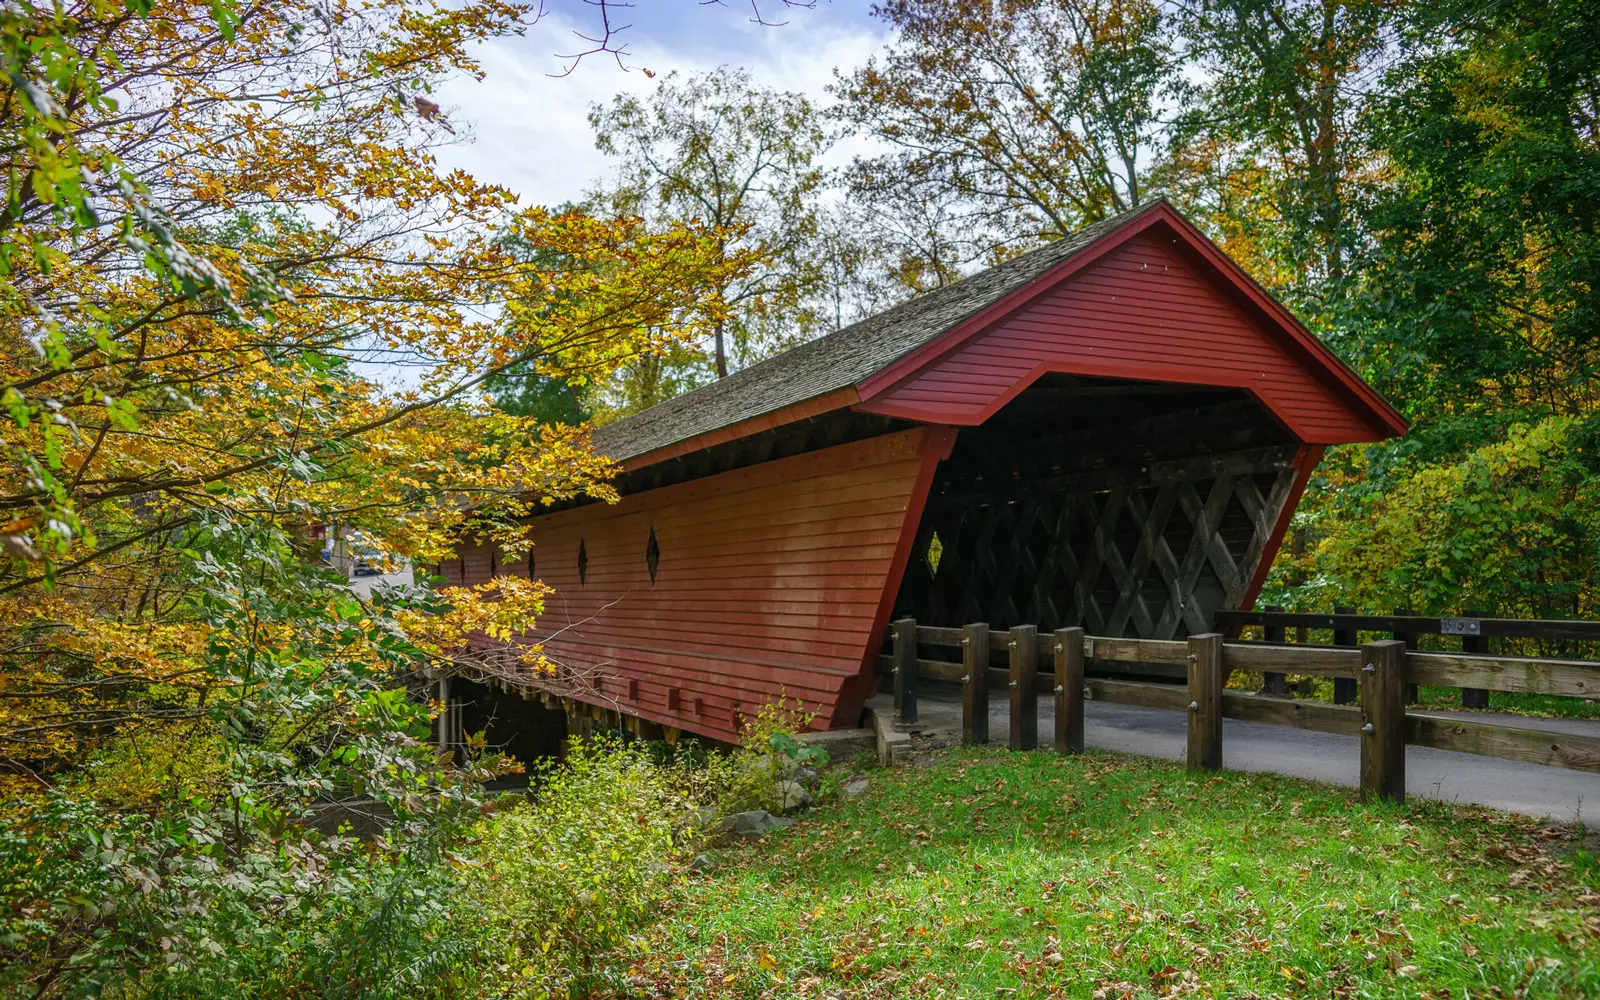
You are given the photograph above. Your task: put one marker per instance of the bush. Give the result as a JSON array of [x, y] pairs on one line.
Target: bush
[[589, 858], [519, 902], [136, 907], [576, 869]]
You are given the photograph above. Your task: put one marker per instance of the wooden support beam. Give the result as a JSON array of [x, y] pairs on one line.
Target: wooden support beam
[[1472, 697], [1206, 679], [1024, 648], [1137, 476], [1410, 639], [1314, 715], [1573, 678], [647, 730], [975, 684], [1383, 711], [1274, 683], [1509, 628], [1141, 693], [1344, 689], [905, 669], [1533, 746], [1141, 650], [1068, 649], [1322, 661], [442, 723]]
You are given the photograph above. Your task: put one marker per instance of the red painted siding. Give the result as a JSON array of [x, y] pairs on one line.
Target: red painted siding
[[1141, 311], [772, 581]]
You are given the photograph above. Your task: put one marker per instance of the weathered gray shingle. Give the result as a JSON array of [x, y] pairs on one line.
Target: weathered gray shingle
[[843, 358]]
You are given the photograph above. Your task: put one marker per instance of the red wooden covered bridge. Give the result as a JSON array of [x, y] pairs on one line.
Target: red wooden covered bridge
[[1109, 431]]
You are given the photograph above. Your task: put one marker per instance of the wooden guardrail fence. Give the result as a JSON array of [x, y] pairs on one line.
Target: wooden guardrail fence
[[1056, 666]]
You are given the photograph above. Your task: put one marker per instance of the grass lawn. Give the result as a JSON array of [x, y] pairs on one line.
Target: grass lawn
[[991, 874], [1515, 703]]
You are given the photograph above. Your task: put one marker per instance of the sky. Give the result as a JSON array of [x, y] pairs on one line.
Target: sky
[[525, 127]]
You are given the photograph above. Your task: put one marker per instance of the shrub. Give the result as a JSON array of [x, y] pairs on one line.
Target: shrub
[[573, 871]]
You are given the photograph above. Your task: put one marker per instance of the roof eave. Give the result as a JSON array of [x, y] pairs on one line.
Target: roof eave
[[804, 410]]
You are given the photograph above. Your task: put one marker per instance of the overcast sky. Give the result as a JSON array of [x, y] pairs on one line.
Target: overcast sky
[[525, 128]]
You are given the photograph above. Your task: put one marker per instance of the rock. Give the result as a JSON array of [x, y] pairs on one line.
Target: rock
[[702, 863], [792, 795], [855, 786], [752, 825], [842, 744], [892, 745]]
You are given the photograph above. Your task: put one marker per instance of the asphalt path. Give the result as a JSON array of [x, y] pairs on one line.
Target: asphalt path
[[363, 585], [1510, 786]]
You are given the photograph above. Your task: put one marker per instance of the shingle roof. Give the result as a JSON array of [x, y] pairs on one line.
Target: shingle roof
[[843, 358]]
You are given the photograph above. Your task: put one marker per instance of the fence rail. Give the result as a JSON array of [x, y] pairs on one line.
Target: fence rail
[[1467, 625], [1056, 665]]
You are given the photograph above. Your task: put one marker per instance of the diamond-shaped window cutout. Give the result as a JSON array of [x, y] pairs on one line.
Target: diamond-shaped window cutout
[[652, 555], [935, 551], [583, 562]]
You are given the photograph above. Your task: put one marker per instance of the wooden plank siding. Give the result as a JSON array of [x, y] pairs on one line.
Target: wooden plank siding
[[771, 583], [1142, 311]]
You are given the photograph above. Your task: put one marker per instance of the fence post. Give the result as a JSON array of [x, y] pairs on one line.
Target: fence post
[[1344, 688], [1274, 684], [975, 684], [1024, 648], [1475, 697], [1069, 690], [1410, 639], [1205, 702], [905, 669], [1383, 714]]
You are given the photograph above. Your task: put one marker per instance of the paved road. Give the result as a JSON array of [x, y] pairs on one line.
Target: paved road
[[363, 585], [1511, 786]]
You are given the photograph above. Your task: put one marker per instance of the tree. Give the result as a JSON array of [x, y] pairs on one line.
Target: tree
[[742, 160], [1470, 300], [1485, 247], [1023, 121], [212, 210], [1285, 83]]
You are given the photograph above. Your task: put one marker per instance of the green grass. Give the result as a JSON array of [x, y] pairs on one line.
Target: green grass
[[993, 874], [1545, 706]]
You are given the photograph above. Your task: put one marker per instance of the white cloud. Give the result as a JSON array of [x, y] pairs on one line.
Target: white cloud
[[528, 131]]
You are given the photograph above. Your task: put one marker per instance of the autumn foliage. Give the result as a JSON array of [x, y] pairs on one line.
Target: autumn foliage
[[224, 222]]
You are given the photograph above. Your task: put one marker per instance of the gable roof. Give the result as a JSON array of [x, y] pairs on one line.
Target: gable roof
[[837, 360], [872, 349]]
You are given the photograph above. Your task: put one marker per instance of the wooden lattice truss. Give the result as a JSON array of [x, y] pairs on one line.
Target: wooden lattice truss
[[1150, 553]]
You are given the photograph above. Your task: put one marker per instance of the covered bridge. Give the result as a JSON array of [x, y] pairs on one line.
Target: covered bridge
[[1109, 431]]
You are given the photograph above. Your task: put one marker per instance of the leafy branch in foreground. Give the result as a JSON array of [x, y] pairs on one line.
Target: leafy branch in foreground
[[224, 226]]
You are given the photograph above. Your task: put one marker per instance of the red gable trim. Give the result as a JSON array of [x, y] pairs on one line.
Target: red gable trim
[[1385, 418], [1325, 365]]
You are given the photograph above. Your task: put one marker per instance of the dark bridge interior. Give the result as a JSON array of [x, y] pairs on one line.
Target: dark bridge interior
[[1129, 508]]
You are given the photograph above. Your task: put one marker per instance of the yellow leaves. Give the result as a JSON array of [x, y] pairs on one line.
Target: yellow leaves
[[170, 416], [484, 620]]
